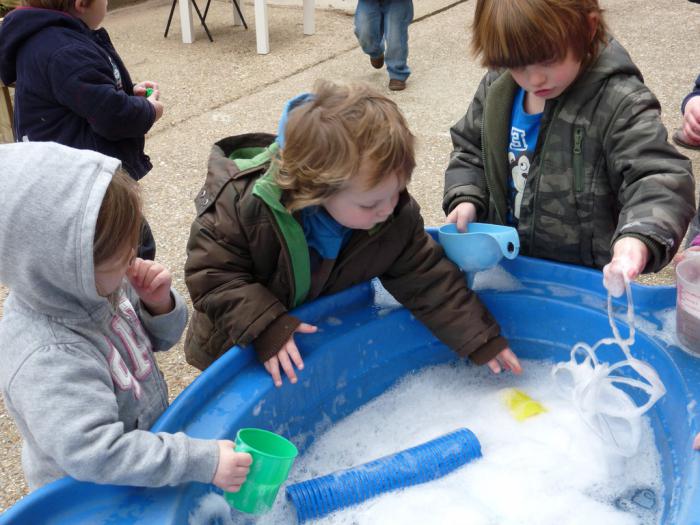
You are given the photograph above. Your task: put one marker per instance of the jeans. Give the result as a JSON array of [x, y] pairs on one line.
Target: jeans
[[381, 26]]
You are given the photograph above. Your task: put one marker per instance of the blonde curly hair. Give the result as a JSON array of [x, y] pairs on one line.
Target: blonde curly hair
[[329, 136]]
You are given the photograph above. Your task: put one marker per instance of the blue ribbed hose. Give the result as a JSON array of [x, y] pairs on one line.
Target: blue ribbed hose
[[317, 497]]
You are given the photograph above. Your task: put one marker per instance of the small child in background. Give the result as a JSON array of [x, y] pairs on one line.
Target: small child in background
[[322, 208], [72, 87], [381, 27], [80, 326], [564, 141]]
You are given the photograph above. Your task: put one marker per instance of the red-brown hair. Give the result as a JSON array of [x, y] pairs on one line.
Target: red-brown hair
[[518, 33]]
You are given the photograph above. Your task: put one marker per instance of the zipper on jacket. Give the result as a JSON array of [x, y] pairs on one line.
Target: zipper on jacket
[[578, 159], [483, 162], [536, 189]]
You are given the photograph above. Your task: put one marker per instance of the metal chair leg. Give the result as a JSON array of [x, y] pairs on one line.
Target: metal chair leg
[[201, 19], [170, 19], [235, 4]]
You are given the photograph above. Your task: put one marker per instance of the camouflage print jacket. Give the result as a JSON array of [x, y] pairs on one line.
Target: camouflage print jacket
[[602, 167]]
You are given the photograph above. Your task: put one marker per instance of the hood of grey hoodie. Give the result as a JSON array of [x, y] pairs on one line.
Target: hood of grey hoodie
[[51, 196]]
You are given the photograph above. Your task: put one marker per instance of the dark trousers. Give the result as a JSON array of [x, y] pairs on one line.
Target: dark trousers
[[147, 245]]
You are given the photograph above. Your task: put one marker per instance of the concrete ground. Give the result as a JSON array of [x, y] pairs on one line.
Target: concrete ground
[[212, 90]]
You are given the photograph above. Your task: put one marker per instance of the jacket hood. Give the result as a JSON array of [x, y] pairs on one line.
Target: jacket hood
[[51, 197], [21, 25], [612, 60]]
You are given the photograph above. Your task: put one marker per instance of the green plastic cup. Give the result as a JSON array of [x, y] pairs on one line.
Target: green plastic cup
[[273, 457]]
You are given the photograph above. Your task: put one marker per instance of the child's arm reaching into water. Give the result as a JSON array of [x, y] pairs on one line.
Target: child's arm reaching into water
[[696, 442], [505, 360], [288, 357]]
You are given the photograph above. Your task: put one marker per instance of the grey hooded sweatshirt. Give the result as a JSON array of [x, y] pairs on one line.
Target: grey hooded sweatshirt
[[78, 375]]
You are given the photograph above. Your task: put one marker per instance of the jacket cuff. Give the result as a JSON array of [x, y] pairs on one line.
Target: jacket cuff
[[487, 351], [202, 460], [269, 342]]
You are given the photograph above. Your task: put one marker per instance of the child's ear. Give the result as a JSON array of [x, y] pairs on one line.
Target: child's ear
[[79, 6], [593, 23]]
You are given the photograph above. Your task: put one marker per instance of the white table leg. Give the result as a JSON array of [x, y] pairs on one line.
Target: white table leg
[[186, 21], [262, 35], [309, 23], [237, 20]]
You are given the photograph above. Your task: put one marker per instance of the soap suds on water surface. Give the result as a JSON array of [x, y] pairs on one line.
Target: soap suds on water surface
[[550, 469]]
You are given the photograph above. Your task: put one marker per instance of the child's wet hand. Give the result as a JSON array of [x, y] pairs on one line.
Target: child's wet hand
[[288, 357], [505, 360], [233, 467], [152, 282], [630, 256], [696, 442], [463, 214]]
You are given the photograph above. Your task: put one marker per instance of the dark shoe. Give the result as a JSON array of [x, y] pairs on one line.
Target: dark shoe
[[679, 138], [377, 63], [397, 85]]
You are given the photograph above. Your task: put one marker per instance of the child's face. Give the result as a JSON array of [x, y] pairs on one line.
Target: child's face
[[547, 80], [110, 273], [358, 208], [92, 14]]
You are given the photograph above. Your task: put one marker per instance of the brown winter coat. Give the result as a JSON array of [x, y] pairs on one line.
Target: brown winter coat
[[244, 275]]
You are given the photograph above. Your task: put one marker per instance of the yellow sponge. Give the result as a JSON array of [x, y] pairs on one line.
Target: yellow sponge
[[520, 405]]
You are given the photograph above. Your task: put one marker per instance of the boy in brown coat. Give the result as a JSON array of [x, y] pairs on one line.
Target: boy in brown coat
[[322, 208]]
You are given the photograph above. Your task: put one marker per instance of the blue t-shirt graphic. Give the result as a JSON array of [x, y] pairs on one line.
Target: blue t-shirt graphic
[[524, 130]]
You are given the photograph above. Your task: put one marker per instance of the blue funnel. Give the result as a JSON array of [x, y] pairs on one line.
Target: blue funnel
[[481, 247]]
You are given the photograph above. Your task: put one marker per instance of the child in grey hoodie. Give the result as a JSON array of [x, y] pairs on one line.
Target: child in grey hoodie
[[81, 323]]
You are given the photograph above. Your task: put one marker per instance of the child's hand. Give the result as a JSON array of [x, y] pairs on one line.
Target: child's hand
[[288, 354], [691, 121], [140, 88], [463, 214], [696, 443], [630, 256], [505, 360], [233, 467], [689, 252], [152, 282]]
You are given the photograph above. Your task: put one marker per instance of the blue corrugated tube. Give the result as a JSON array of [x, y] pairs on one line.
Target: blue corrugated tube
[[317, 497]]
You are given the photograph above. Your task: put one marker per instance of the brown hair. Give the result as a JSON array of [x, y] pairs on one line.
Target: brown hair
[[67, 6], [118, 226], [518, 33], [328, 137]]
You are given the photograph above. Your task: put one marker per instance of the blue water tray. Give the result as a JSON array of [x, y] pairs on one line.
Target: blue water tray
[[361, 349]]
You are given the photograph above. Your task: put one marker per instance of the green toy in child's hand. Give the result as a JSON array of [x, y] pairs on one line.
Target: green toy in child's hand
[[149, 92]]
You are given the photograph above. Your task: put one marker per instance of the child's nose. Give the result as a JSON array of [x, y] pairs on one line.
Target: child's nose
[[537, 78]]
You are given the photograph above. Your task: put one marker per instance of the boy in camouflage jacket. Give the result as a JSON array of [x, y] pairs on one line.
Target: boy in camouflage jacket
[[600, 186]]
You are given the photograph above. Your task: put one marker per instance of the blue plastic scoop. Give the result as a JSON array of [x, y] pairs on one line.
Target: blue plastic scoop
[[481, 247]]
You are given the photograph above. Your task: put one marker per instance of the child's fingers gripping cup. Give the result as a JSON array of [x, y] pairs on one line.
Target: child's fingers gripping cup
[[273, 457]]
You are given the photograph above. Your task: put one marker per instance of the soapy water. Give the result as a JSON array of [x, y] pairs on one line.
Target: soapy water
[[595, 390], [550, 469]]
